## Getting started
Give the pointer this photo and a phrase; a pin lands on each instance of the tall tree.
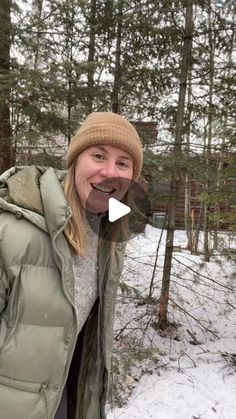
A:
(174, 185)
(117, 69)
(227, 81)
(37, 9)
(5, 91)
(91, 53)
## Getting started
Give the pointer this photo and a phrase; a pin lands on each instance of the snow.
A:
(191, 373)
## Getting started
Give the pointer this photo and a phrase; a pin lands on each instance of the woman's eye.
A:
(122, 164)
(98, 156)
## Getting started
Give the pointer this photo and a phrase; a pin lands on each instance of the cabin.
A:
(191, 192)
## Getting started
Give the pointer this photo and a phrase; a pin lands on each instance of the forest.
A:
(169, 63)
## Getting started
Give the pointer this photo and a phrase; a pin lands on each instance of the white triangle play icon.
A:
(116, 209)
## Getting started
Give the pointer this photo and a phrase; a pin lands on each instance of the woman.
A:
(60, 262)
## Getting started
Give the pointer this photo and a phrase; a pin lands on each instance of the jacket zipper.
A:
(73, 347)
(101, 394)
(69, 298)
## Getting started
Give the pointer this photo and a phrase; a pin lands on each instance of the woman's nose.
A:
(109, 169)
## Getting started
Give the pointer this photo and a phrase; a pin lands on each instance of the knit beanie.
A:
(107, 128)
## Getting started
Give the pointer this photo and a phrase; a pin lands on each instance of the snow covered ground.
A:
(188, 371)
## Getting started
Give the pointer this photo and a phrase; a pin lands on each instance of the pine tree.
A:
(5, 126)
(174, 184)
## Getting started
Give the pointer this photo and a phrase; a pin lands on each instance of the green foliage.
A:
(129, 353)
(129, 290)
(47, 160)
(51, 65)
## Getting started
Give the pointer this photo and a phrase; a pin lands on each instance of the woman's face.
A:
(102, 172)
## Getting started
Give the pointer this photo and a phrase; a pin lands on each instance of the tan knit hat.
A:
(107, 128)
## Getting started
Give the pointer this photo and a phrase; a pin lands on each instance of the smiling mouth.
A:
(103, 189)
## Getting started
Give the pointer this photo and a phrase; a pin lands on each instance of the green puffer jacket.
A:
(38, 326)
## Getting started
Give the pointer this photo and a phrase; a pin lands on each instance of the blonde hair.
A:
(75, 231)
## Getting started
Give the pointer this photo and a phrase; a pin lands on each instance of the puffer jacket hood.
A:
(20, 186)
(25, 190)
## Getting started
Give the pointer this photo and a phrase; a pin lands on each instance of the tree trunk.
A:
(216, 225)
(91, 54)
(209, 140)
(197, 230)
(37, 7)
(206, 250)
(188, 221)
(187, 214)
(5, 125)
(69, 30)
(117, 71)
(229, 74)
(174, 186)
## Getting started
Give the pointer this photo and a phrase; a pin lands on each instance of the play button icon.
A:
(116, 210)
(109, 211)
